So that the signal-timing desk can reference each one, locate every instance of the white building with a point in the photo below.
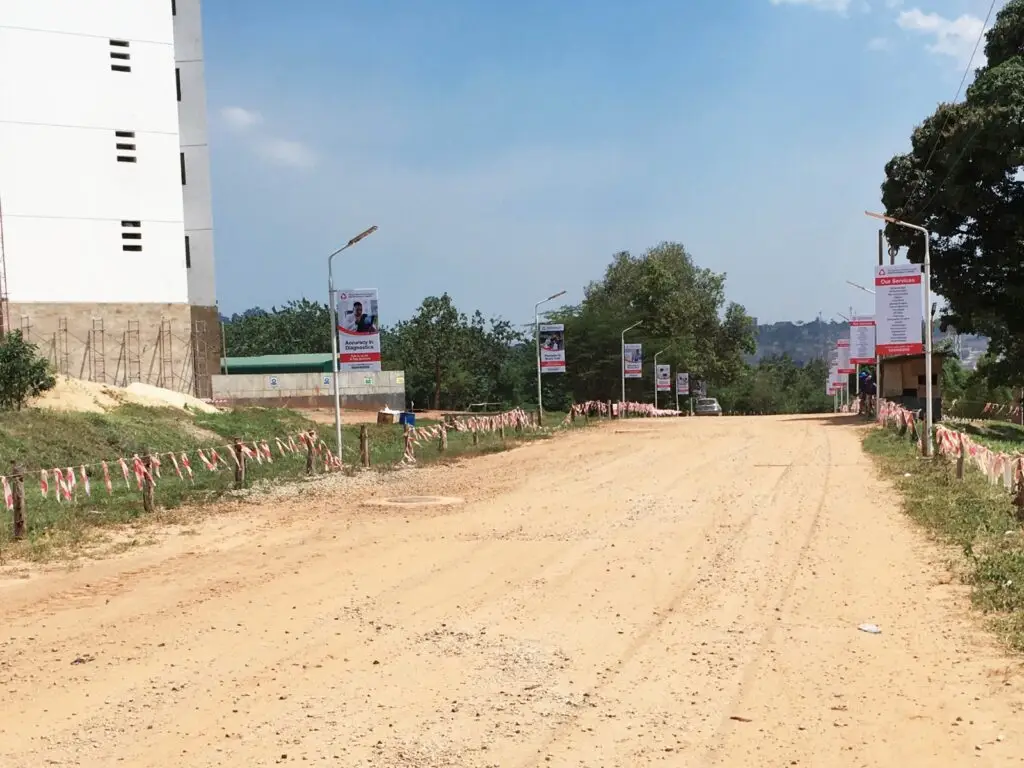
(107, 233)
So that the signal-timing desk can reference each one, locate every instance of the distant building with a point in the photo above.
(107, 234)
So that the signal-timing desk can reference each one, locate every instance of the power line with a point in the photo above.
(938, 136)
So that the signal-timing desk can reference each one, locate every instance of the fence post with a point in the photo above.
(476, 437)
(310, 463)
(364, 444)
(147, 482)
(239, 464)
(960, 460)
(611, 413)
(502, 430)
(442, 441)
(18, 492)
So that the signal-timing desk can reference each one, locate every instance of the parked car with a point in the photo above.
(707, 406)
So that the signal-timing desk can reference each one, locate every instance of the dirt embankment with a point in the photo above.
(683, 592)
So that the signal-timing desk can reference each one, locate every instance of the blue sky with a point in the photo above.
(507, 150)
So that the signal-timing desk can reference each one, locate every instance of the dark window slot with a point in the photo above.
(174, 8)
(118, 43)
(131, 235)
(188, 253)
(120, 68)
(124, 134)
(121, 56)
(182, 168)
(126, 159)
(177, 81)
(126, 146)
(131, 223)
(135, 248)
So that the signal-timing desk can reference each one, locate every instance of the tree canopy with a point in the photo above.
(963, 181)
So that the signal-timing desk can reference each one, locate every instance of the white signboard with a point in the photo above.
(633, 361)
(663, 378)
(862, 340)
(899, 310)
(682, 384)
(358, 330)
(552, 348)
(844, 365)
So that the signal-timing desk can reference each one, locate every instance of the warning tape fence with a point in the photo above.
(998, 467)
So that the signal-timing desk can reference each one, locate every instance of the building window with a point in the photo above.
(177, 81)
(124, 144)
(182, 155)
(119, 56)
(174, 8)
(131, 236)
(188, 254)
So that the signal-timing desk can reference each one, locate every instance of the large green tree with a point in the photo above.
(962, 180)
(299, 327)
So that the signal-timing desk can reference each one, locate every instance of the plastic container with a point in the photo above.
(407, 417)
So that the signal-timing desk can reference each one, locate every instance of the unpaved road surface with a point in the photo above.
(680, 592)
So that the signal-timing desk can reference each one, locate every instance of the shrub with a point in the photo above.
(23, 373)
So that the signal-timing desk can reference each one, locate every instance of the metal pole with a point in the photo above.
(656, 378)
(927, 345)
(536, 325)
(333, 313)
(622, 358)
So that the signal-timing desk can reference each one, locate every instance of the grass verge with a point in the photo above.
(997, 435)
(39, 439)
(970, 514)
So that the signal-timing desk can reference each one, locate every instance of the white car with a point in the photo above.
(707, 406)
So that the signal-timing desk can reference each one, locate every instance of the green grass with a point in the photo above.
(997, 435)
(976, 518)
(38, 439)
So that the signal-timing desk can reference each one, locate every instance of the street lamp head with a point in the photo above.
(362, 235)
(555, 296)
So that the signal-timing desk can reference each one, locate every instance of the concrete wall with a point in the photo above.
(312, 390)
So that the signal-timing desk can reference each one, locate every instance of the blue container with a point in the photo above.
(407, 417)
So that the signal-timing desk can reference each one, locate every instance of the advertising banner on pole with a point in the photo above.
(358, 330)
(663, 378)
(552, 348)
(844, 364)
(899, 310)
(682, 384)
(862, 340)
(633, 361)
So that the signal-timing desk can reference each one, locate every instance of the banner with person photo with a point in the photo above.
(552, 348)
(358, 330)
(633, 361)
(682, 383)
(663, 378)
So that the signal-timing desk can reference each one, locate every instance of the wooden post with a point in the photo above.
(442, 441)
(18, 492)
(502, 428)
(239, 464)
(610, 414)
(147, 482)
(310, 458)
(476, 437)
(960, 462)
(364, 445)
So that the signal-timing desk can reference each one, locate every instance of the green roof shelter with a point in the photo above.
(319, 362)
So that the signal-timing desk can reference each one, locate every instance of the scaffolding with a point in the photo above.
(62, 350)
(200, 352)
(166, 370)
(97, 352)
(133, 352)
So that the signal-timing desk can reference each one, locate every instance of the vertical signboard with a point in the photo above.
(899, 310)
(862, 340)
(633, 361)
(358, 330)
(663, 378)
(844, 365)
(682, 384)
(552, 348)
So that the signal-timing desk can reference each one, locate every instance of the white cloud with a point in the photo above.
(838, 6)
(952, 37)
(879, 44)
(240, 118)
(293, 154)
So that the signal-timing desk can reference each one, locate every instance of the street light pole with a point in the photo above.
(333, 312)
(927, 449)
(656, 377)
(536, 331)
(622, 358)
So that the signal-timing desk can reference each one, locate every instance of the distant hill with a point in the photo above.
(804, 342)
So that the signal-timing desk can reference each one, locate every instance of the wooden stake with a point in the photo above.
(364, 445)
(476, 437)
(18, 492)
(239, 464)
(148, 505)
(310, 457)
(442, 441)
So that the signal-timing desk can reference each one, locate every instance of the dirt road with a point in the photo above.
(681, 592)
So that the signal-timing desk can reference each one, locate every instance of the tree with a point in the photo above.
(961, 181)
(23, 373)
(299, 327)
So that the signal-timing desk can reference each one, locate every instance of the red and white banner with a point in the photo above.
(551, 338)
(358, 330)
(844, 366)
(862, 340)
(633, 361)
(899, 310)
(663, 378)
(682, 383)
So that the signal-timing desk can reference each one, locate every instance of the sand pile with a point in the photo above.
(90, 397)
